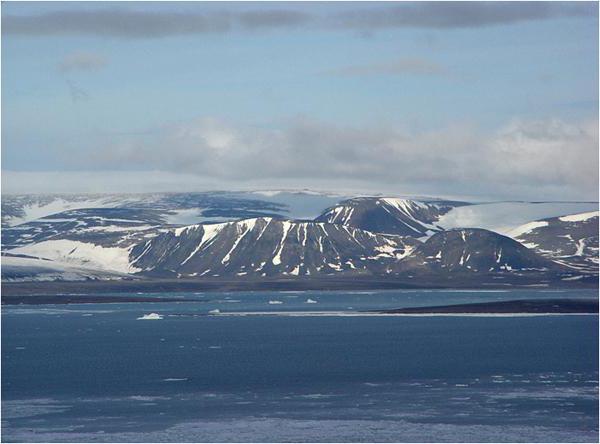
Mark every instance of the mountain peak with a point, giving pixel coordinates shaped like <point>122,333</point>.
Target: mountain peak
<point>389,215</point>
<point>472,250</point>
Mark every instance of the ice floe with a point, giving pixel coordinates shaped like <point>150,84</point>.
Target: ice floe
<point>150,317</point>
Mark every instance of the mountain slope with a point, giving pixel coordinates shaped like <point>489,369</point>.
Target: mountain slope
<point>23,268</point>
<point>101,226</point>
<point>503,217</point>
<point>173,208</point>
<point>571,240</point>
<point>473,250</point>
<point>404,217</point>
<point>267,247</point>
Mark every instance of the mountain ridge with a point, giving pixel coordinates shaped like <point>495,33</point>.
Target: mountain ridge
<point>140,241</point>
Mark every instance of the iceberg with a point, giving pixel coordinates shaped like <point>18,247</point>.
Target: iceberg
<point>150,317</point>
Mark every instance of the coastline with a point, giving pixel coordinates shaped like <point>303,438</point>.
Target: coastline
<point>333,283</point>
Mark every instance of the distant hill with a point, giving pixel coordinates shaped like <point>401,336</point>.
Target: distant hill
<point>571,240</point>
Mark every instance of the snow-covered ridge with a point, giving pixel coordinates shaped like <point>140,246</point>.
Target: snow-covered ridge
<point>22,269</point>
<point>571,240</point>
<point>404,205</point>
<point>389,215</point>
<point>579,217</point>
<point>527,228</point>
<point>504,217</point>
<point>38,210</point>
<point>81,254</point>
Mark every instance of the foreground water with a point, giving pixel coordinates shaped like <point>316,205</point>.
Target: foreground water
<point>94,372</point>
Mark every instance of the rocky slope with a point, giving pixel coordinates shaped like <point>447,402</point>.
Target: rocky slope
<point>571,240</point>
<point>267,247</point>
<point>404,217</point>
<point>473,250</point>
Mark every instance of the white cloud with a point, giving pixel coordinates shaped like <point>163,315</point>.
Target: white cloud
<point>548,159</point>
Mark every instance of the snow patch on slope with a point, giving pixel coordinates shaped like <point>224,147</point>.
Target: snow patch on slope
<point>247,226</point>
<point>579,217</point>
<point>27,269</point>
<point>286,228</point>
<point>36,211</point>
<point>527,228</point>
<point>209,233</point>
<point>406,206</point>
<point>82,254</point>
<point>503,217</point>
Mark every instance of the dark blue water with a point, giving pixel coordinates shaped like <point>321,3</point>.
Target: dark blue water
<point>94,372</point>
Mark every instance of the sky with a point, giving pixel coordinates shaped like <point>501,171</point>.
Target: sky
<point>488,100</point>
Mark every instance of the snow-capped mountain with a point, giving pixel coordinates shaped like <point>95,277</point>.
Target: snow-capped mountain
<point>571,240</point>
<point>474,250</point>
<point>209,236</point>
<point>267,247</point>
<point>404,217</point>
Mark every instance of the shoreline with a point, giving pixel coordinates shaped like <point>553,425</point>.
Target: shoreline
<point>333,283</point>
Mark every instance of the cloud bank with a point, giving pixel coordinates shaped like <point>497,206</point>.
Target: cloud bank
<point>544,159</point>
<point>448,15</point>
<point>131,23</point>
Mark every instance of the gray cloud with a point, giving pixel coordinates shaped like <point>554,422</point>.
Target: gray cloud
<point>396,67</point>
<point>548,159</point>
<point>136,23</point>
<point>142,24</point>
<point>272,19</point>
<point>82,61</point>
<point>444,15</point>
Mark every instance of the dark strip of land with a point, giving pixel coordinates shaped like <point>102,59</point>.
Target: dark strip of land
<point>84,299</point>
<point>325,283</point>
<point>508,307</point>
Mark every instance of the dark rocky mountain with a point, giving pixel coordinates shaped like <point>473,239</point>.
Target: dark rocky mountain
<point>570,240</point>
<point>403,217</point>
<point>267,247</point>
<point>472,250</point>
<point>368,239</point>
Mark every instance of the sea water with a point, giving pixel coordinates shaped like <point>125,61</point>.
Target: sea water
<point>95,372</point>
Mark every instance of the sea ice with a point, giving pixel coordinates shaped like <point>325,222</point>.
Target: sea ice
<point>150,317</point>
